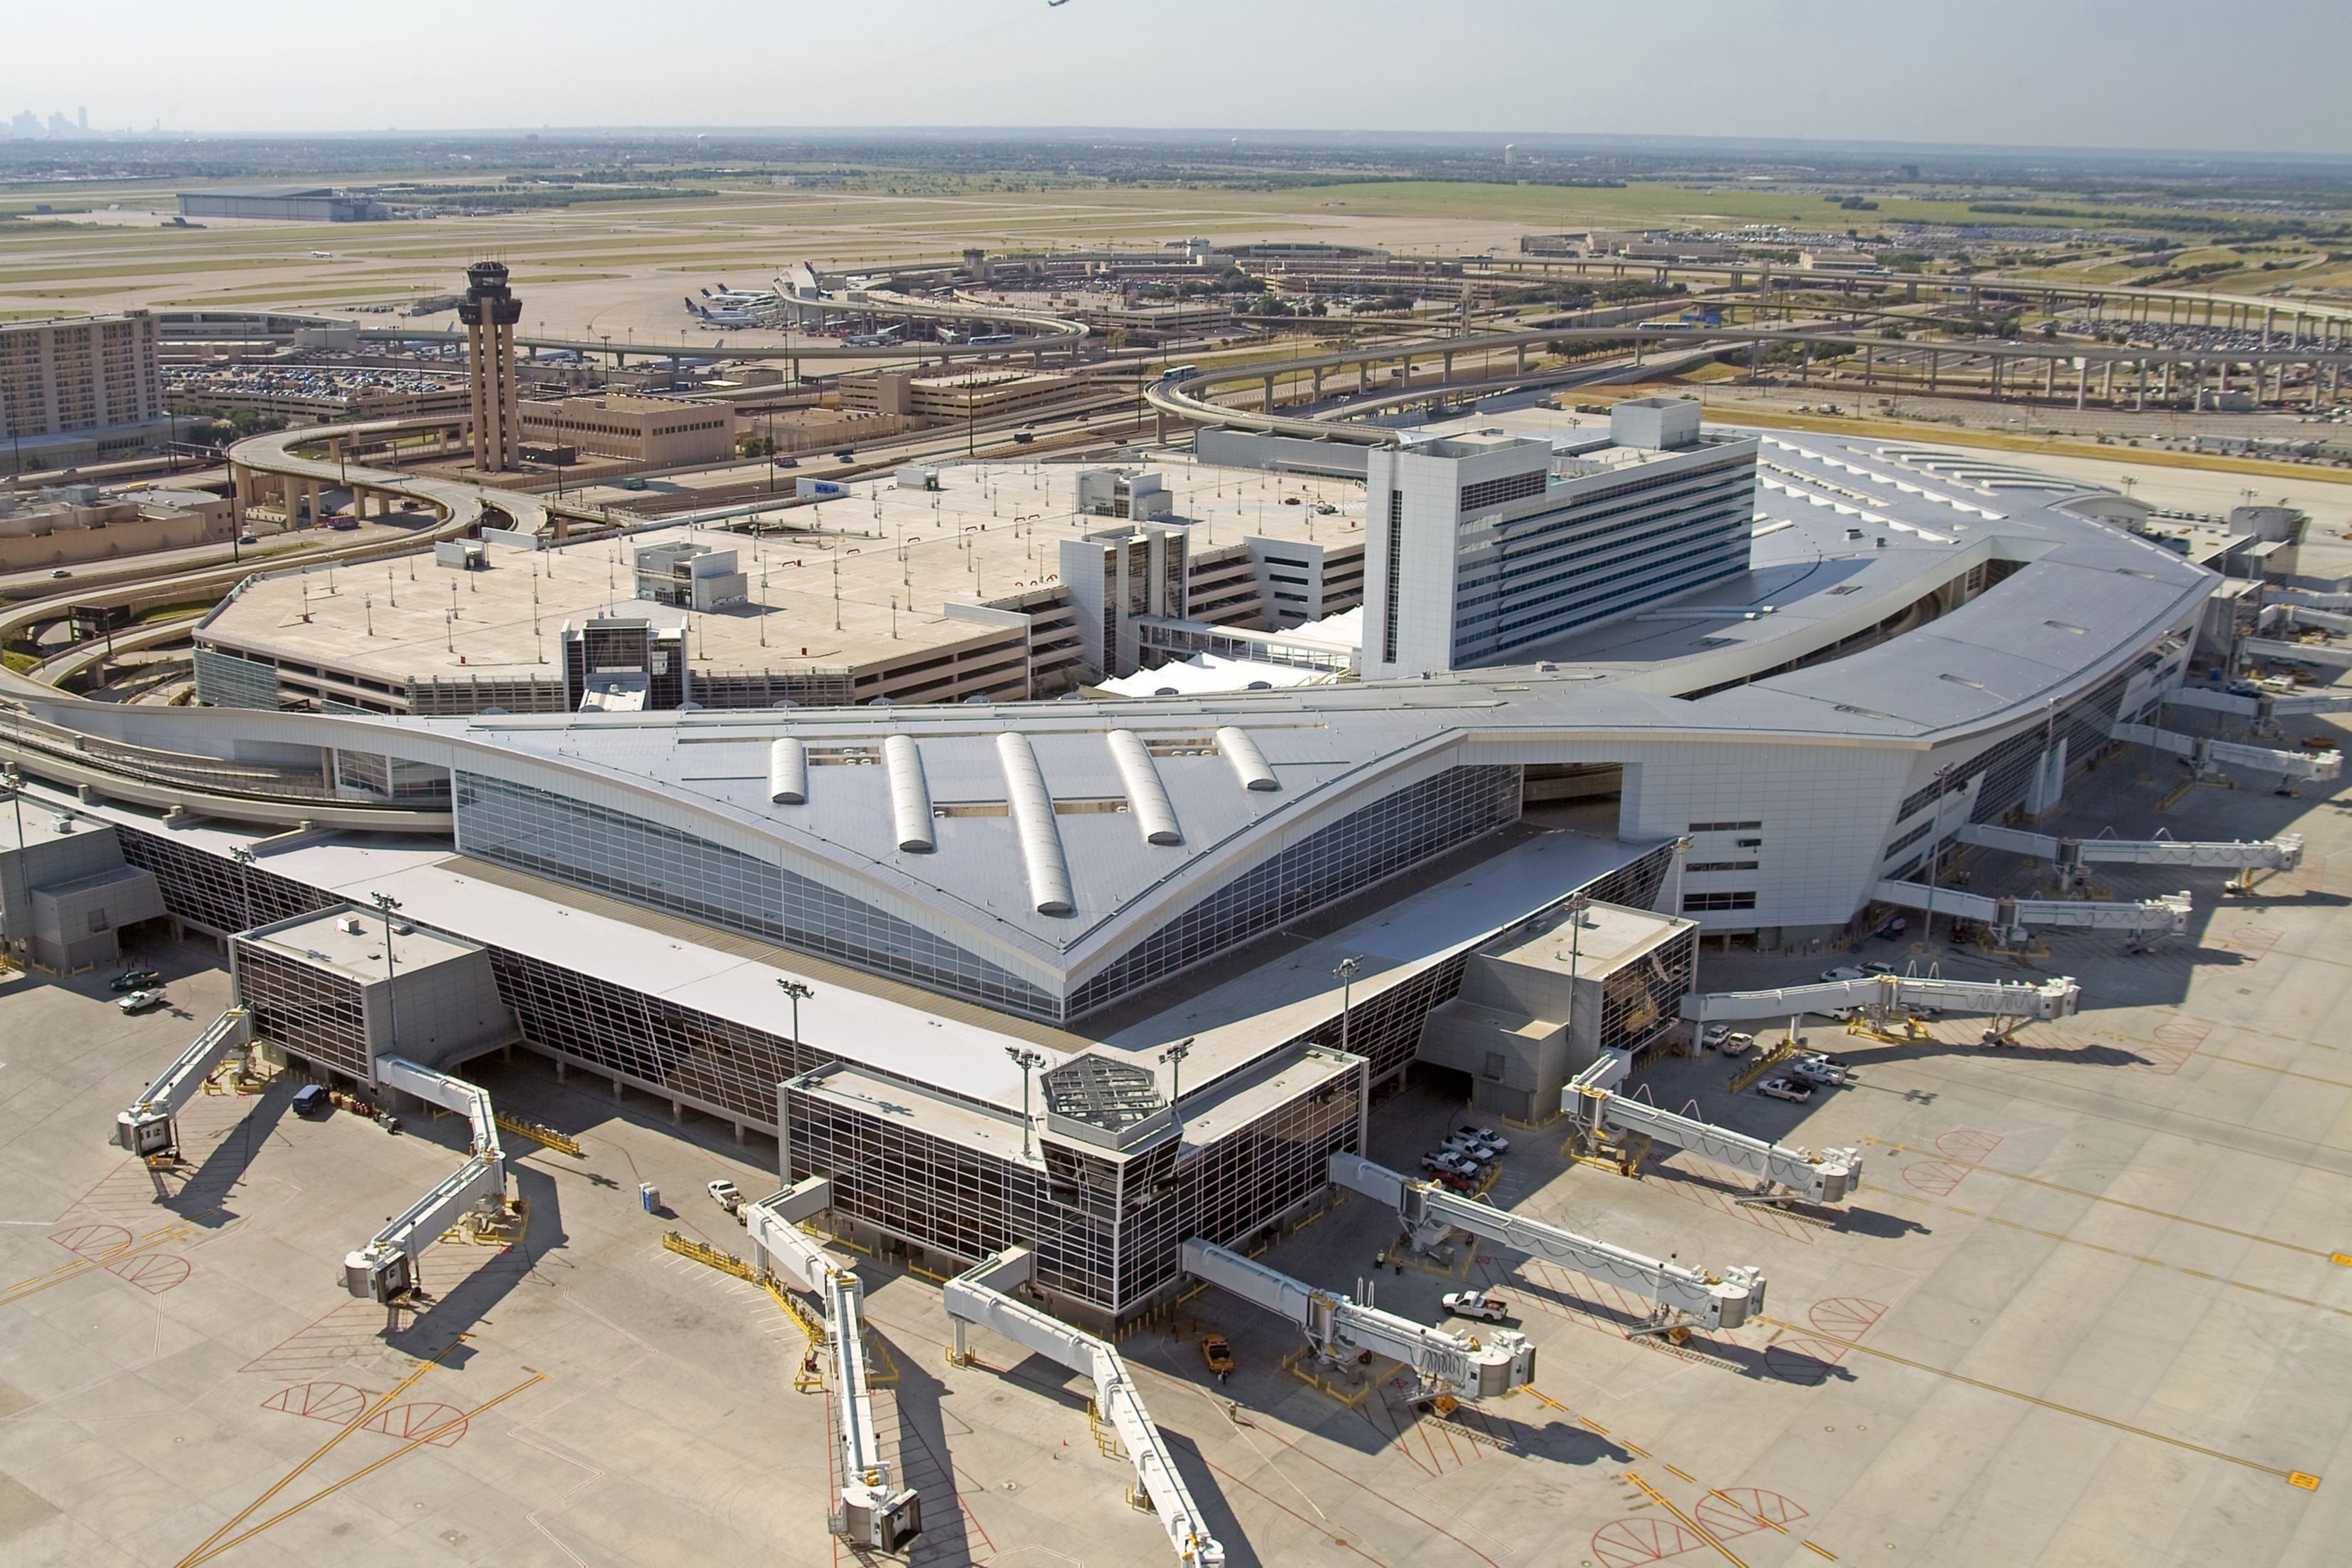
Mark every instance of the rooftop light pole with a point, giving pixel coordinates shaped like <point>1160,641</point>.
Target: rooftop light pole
<point>1174,1057</point>
<point>798,990</point>
<point>1349,967</point>
<point>387,904</point>
<point>1028,1061</point>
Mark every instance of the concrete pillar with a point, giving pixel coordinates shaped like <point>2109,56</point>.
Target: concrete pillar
<point>2049,380</point>
<point>739,1132</point>
<point>1520,360</point>
<point>619,1089</point>
<point>2081,383</point>
<point>2139,397</point>
<point>676,1113</point>
<point>1933,358</point>
<point>1318,374</point>
<point>2107,384</point>
<point>1995,382</point>
<point>2315,387</point>
<point>2164,388</point>
<point>1268,403</point>
<point>1447,372</point>
<point>559,1070</point>
<point>1869,365</point>
<point>2270,318</point>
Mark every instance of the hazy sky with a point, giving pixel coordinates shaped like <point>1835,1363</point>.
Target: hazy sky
<point>2248,75</point>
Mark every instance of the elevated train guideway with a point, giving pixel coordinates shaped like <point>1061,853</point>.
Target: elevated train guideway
<point>386,1269</point>
<point>1591,1102</point>
<point>981,1296</point>
<point>1428,1214</point>
<point>865,1512</point>
<point>151,1127</point>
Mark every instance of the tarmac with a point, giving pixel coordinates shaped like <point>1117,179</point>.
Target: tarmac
<point>2091,1305</point>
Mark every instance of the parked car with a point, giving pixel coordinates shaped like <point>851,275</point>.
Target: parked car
<point>1218,1354</point>
<point>1469,1149</point>
<point>1786,1089</point>
<point>1736,1043</point>
<point>135,980</point>
<point>313,1101</point>
<point>727,1195</point>
<point>1827,1072</point>
<point>1449,1163</point>
<point>1891,930</point>
<point>787,462</point>
<point>1710,1036</point>
<point>140,1000</point>
<point>1486,1135</point>
<point>1477,1304</point>
<point>1844,972</point>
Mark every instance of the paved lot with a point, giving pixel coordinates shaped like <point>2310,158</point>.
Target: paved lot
<point>2085,1311</point>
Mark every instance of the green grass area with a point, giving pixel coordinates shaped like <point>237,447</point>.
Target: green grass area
<point>174,611</point>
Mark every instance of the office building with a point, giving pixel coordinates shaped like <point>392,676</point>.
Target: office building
<point>1481,547</point>
<point>642,432</point>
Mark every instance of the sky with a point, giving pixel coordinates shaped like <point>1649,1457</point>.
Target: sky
<point>2244,76</point>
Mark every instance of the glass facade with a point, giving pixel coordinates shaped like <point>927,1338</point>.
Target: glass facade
<point>941,1195</point>
<point>311,1011</point>
<point>588,847</point>
<point>1391,835</point>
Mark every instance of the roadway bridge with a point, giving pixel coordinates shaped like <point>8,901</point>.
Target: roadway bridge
<point>1184,396</point>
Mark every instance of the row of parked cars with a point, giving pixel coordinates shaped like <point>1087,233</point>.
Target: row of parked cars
<point>1468,1150</point>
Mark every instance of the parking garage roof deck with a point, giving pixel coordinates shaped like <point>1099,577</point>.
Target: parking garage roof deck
<point>994,535</point>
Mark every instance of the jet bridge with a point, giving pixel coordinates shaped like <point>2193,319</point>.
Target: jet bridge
<point>2301,613</point>
<point>386,1269</point>
<point>1449,1365</point>
<point>152,1124</point>
<point>2070,855</point>
<point>2322,656</point>
<point>2165,916</point>
<point>866,1512</point>
<point>2265,709</point>
<point>1590,1100</point>
<point>2209,756</point>
<point>1893,993</point>
<point>979,1295</point>
<point>1430,1213</point>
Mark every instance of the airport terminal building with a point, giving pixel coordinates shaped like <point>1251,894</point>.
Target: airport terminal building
<point>1752,740</point>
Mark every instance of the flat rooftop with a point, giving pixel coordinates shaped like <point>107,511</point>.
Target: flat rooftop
<point>1610,937</point>
<point>867,577</point>
<point>321,941</point>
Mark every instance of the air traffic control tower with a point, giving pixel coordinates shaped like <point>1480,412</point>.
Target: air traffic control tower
<point>491,311</point>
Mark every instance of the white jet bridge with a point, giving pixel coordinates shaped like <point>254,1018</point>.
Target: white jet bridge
<point>1449,1365</point>
<point>979,1295</point>
<point>2323,656</point>
<point>866,1513</point>
<point>2167,915</point>
<point>1891,995</point>
<point>2209,756</point>
<point>1429,1213</point>
<point>2069,855</point>
<point>1590,1100</point>
<point>386,1269</point>
<point>152,1124</point>
<point>2264,709</point>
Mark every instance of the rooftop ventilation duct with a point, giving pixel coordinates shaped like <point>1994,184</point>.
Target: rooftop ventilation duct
<point>910,796</point>
<point>1147,797</point>
<point>1033,819</point>
<point>1249,762</point>
<point>788,772</point>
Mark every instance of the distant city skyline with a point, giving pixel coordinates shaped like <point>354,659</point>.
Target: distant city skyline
<point>2092,74</point>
